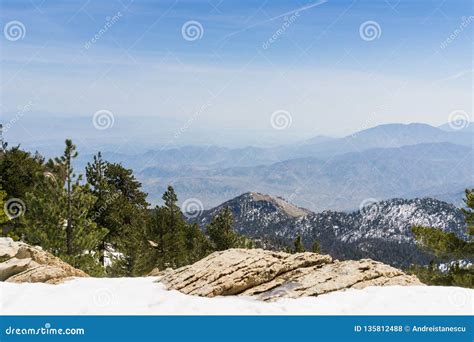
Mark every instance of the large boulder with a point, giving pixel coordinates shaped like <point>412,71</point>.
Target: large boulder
<point>39,274</point>
<point>44,258</point>
<point>14,266</point>
<point>270,275</point>
<point>23,263</point>
<point>235,270</point>
<point>8,248</point>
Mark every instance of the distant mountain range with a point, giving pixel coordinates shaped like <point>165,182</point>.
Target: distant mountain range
<point>464,127</point>
<point>380,230</point>
<point>383,136</point>
<point>387,161</point>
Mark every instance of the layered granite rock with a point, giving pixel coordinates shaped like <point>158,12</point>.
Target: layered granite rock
<point>271,275</point>
<point>22,263</point>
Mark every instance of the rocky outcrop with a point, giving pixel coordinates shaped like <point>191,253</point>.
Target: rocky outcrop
<point>8,248</point>
<point>22,263</point>
<point>14,266</point>
<point>271,275</point>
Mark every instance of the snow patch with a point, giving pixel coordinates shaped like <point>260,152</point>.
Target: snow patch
<point>143,296</point>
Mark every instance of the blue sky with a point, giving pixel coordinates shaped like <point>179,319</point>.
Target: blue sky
<point>319,68</point>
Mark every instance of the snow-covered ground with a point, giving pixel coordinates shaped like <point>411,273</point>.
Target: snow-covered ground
<point>143,296</point>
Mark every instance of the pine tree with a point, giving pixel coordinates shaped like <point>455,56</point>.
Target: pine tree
<point>121,208</point>
<point>18,171</point>
<point>152,246</point>
<point>45,223</point>
<point>95,175</point>
<point>174,238</point>
<point>65,161</point>
<point>442,244</point>
<point>197,245</point>
<point>169,240</point>
<point>3,216</point>
<point>220,231</point>
<point>158,225</point>
<point>447,247</point>
<point>469,211</point>
<point>298,245</point>
<point>316,247</point>
<point>86,235</point>
<point>171,199</point>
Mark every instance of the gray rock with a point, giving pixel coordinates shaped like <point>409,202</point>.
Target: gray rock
<point>14,266</point>
<point>271,275</point>
<point>8,248</point>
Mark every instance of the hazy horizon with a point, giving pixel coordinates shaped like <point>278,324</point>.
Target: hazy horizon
<point>51,139</point>
<point>231,73</point>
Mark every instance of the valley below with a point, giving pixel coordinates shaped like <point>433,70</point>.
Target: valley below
<point>387,161</point>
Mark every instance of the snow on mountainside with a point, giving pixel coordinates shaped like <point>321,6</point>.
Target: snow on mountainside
<point>381,230</point>
<point>395,218</point>
<point>256,214</point>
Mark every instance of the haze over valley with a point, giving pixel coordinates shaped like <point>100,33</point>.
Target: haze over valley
<point>383,162</point>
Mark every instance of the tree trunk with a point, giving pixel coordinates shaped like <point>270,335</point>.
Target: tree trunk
<point>102,253</point>
<point>69,214</point>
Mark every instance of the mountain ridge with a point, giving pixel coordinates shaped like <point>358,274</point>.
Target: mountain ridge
<point>378,230</point>
<point>342,182</point>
